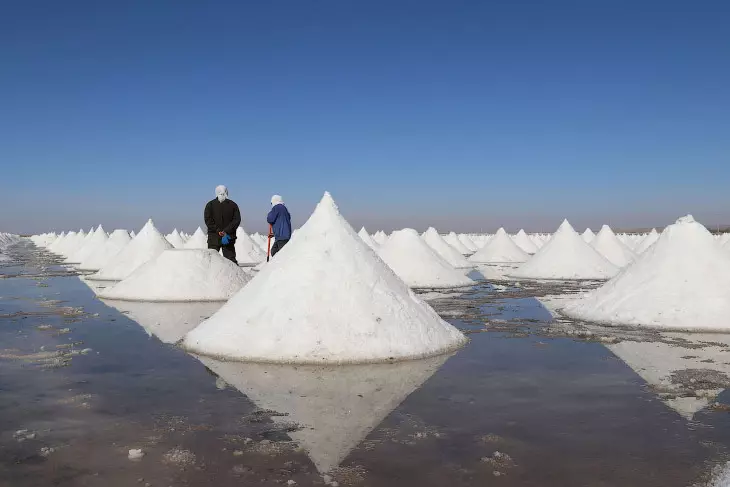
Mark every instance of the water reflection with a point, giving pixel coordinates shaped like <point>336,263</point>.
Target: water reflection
<point>335,407</point>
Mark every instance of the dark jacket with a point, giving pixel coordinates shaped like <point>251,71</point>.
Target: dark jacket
<point>280,219</point>
<point>222,217</point>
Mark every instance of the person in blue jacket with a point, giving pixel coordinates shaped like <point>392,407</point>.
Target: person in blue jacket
<point>280,221</point>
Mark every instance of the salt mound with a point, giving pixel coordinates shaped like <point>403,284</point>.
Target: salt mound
<point>94,242</point>
<point>380,237</point>
<point>199,240</point>
<point>417,263</point>
<point>175,239</point>
<point>500,249</point>
<point>147,245</point>
<point>467,242</point>
<point>103,254</point>
<point>588,235</point>
<point>365,236</point>
<point>337,407</point>
<point>327,298</point>
<point>446,251</point>
<point>648,241</point>
<point>524,242</point>
<point>566,256</point>
<point>248,252</point>
<point>609,246</point>
<point>453,240</point>
<point>681,282</point>
<point>181,275</point>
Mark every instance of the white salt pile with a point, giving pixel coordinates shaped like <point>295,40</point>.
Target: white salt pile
<point>380,237</point>
<point>147,245</point>
<point>175,239</point>
<point>199,240</point>
<point>524,242</point>
<point>609,246</point>
<point>588,235</point>
<point>417,263</point>
<point>468,243</point>
<point>103,254</point>
<point>453,239</point>
<point>181,275</point>
<point>681,282</point>
<point>248,252</point>
<point>365,236</point>
<point>344,306</point>
<point>500,249</point>
<point>446,251</point>
<point>92,243</point>
<point>647,242</point>
<point>566,256</point>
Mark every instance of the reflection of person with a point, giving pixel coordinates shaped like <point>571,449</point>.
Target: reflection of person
<point>222,218</point>
<point>280,221</point>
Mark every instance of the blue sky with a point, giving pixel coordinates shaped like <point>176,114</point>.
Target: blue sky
<point>466,115</point>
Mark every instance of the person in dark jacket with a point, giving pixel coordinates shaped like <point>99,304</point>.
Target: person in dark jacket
<point>280,221</point>
<point>222,218</point>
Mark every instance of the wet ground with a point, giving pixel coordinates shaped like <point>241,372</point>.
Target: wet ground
<point>533,399</point>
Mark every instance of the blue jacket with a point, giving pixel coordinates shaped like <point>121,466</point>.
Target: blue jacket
<point>280,219</point>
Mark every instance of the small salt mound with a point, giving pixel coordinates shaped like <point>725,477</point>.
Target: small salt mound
<point>248,252</point>
<point>467,242</point>
<point>500,249</point>
<point>69,244</point>
<point>380,237</point>
<point>181,275</point>
<point>365,236</point>
<point>446,251</point>
<point>97,240</point>
<point>418,264</point>
<point>199,240</point>
<point>524,242</point>
<point>175,239</point>
<point>453,240</point>
<point>681,282</point>
<point>325,298</point>
<point>147,245</point>
<point>647,242</point>
<point>566,256</point>
<point>588,235</point>
<point>609,246</point>
<point>111,247</point>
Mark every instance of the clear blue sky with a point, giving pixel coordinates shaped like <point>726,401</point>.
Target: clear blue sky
<point>462,114</point>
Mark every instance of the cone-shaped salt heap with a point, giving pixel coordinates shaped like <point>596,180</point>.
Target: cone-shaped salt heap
<point>588,235</point>
<point>326,298</point>
<point>73,243</point>
<point>93,243</point>
<point>468,243</point>
<point>181,275</point>
<point>199,240</point>
<point>248,252</point>
<point>147,245</point>
<point>60,245</point>
<point>365,236</point>
<point>453,240</point>
<point>681,282</point>
<point>112,246</point>
<point>418,264</point>
<point>648,241</point>
<point>380,237</point>
<point>524,242</point>
<point>566,256</point>
<point>446,251</point>
<point>56,243</point>
<point>175,239</point>
<point>336,407</point>
<point>500,249</point>
<point>609,246</point>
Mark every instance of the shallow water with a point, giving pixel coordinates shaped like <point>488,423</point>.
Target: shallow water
<point>90,380</point>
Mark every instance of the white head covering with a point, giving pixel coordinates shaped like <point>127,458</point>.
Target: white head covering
<point>277,200</point>
<point>221,193</point>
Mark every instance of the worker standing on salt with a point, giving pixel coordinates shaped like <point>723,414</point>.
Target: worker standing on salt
<point>280,221</point>
<point>222,217</point>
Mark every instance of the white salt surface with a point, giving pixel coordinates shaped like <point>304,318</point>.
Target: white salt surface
<point>453,239</point>
<point>175,239</point>
<point>111,247</point>
<point>524,242</point>
<point>566,256</point>
<point>147,245</point>
<point>500,249</point>
<point>179,275</point>
<point>365,236</point>
<point>199,240</point>
<point>647,242</point>
<point>418,264</point>
<point>325,298</point>
<point>588,235</point>
<point>446,251</point>
<point>609,246</point>
<point>94,242</point>
<point>681,282</point>
<point>248,252</point>
<point>467,242</point>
